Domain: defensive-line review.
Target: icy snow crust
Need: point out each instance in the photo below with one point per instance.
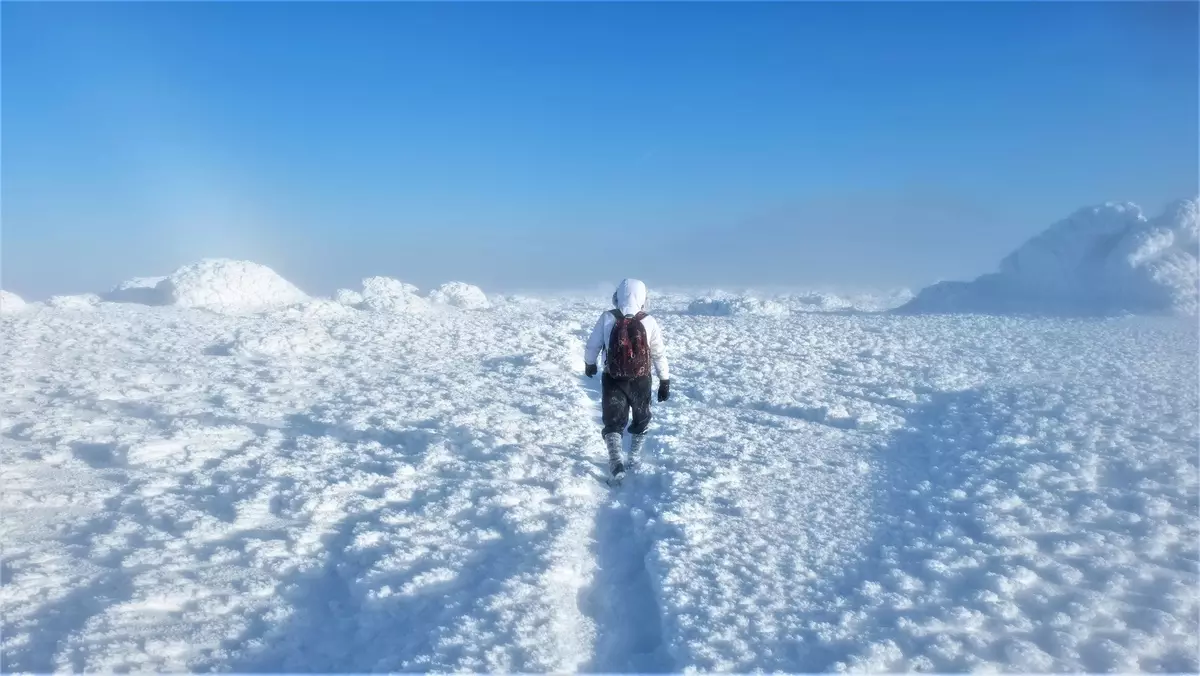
(322, 488)
(1101, 260)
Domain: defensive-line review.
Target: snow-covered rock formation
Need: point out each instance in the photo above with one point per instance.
(460, 295)
(1101, 260)
(227, 284)
(383, 294)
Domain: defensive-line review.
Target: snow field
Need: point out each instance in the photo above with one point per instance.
(368, 510)
(321, 488)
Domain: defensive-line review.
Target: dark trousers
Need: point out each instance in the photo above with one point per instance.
(621, 396)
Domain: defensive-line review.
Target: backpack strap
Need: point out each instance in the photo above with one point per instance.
(617, 313)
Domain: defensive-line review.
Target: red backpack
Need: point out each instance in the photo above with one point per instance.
(628, 354)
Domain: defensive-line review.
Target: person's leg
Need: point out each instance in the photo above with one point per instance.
(639, 401)
(614, 406)
(614, 409)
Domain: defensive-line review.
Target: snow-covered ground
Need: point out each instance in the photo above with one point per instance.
(386, 483)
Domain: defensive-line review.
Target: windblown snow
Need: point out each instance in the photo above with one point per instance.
(1100, 260)
(317, 487)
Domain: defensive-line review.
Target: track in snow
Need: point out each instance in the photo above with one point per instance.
(622, 600)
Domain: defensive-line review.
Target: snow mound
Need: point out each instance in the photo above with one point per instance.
(1101, 260)
(83, 301)
(734, 306)
(10, 303)
(220, 283)
(384, 294)
(142, 290)
(460, 295)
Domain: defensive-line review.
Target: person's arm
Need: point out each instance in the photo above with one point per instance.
(658, 349)
(595, 343)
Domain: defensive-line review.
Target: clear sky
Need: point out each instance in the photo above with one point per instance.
(535, 146)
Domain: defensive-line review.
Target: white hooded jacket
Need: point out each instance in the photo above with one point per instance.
(630, 299)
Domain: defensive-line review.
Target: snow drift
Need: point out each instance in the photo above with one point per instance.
(10, 302)
(1101, 260)
(460, 295)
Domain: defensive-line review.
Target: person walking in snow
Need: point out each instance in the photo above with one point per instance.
(632, 341)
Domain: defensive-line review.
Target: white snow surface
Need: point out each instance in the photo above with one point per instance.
(460, 295)
(320, 489)
(10, 302)
(1101, 260)
(223, 284)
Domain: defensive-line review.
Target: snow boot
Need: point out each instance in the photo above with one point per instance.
(613, 441)
(635, 451)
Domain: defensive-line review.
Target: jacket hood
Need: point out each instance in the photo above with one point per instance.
(630, 297)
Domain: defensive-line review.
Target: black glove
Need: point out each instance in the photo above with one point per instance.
(664, 390)
(589, 370)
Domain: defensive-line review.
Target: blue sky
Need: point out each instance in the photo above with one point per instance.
(525, 146)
